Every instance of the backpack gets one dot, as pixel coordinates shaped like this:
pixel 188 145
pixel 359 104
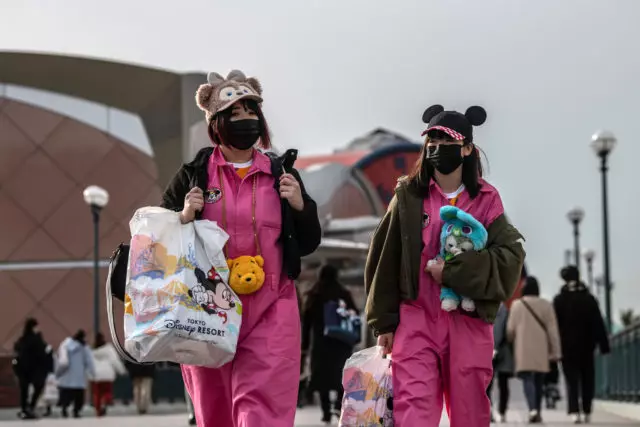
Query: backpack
pixel 340 323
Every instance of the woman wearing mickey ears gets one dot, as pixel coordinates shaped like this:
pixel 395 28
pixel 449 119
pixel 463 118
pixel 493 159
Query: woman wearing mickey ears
pixel 266 212
pixel 436 353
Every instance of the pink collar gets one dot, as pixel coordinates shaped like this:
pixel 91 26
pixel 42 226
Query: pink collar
pixel 260 160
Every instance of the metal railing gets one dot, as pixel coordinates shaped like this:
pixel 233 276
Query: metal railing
pixel 618 374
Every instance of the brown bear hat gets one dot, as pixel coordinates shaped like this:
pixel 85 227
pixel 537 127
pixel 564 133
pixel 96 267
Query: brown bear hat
pixel 219 93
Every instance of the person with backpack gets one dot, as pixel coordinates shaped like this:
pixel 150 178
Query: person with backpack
pixel 321 332
pixel 582 330
pixel 30 366
pixel 533 330
pixel 75 367
pixel 260 201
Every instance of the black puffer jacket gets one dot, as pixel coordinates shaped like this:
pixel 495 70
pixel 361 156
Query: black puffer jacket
pixel 301 232
pixel 580 322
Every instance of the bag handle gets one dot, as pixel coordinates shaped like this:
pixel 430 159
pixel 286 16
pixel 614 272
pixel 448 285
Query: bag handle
pixel 112 326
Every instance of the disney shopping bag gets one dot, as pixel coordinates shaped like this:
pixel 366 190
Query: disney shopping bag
pixel 368 390
pixel 178 305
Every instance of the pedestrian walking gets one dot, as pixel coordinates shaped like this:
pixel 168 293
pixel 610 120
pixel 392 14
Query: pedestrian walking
pixel 533 329
pixel 328 353
pixel 440 353
pixel 142 382
pixel 30 365
pixel 582 329
pixel 503 364
pixel 260 201
pixel 108 366
pixel 75 367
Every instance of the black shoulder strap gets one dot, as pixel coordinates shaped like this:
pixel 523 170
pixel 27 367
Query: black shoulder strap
pixel 535 316
pixel 115 259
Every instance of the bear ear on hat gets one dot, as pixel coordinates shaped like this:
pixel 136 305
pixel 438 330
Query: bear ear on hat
pixel 476 115
pixel 203 97
pixel 431 112
pixel 236 75
pixel 214 78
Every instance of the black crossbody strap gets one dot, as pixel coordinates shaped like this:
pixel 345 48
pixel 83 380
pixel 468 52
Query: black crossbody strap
pixel 535 316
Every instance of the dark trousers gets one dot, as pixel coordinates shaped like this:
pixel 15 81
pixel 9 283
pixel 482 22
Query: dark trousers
pixel 26 404
pixel 532 383
pixel 69 396
pixel 580 376
pixel 503 391
pixel 325 403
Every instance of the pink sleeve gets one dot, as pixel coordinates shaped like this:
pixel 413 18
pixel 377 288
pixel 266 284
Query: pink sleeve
pixel 494 210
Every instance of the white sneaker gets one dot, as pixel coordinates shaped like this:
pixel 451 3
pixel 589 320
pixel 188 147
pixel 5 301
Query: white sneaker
pixel 501 418
pixel 575 418
pixel 587 418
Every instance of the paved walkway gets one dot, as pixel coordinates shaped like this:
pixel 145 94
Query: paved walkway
pixel 171 416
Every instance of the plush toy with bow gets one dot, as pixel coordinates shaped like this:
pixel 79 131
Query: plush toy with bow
pixel 461 232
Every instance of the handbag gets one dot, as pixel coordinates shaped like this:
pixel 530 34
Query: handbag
pixel 341 324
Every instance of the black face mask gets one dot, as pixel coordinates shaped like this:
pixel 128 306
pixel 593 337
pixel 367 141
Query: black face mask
pixel 445 158
pixel 243 134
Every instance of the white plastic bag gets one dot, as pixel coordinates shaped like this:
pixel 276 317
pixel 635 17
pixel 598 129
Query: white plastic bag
pixel 178 306
pixel 368 390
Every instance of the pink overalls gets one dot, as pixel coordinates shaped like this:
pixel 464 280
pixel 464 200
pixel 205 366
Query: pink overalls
pixel 259 388
pixel 439 354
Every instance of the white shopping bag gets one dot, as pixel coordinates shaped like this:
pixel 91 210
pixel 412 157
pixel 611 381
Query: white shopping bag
pixel 178 306
pixel 368 390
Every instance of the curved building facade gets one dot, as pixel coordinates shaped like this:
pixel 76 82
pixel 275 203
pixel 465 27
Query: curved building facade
pixel 67 123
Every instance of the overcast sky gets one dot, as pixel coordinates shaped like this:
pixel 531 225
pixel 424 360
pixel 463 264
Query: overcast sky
pixel 548 72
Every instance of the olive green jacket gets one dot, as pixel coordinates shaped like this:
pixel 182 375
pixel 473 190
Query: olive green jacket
pixel 489 276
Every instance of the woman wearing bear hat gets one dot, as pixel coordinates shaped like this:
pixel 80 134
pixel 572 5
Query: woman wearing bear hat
pixel 266 212
pixel 436 353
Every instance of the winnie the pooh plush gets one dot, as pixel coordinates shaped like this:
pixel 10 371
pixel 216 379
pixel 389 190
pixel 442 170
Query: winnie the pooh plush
pixel 246 274
pixel 461 232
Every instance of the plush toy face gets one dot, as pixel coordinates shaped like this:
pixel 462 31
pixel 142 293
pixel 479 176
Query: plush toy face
pixel 461 232
pixel 246 274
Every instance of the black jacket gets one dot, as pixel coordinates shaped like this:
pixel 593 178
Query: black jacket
pixel 140 371
pixel 579 322
pixel 31 356
pixel 301 232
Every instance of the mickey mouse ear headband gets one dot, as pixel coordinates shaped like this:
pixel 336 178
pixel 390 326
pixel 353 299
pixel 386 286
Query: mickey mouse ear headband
pixel 457 125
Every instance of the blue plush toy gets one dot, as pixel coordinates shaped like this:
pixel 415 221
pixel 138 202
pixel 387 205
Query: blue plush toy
pixel 461 232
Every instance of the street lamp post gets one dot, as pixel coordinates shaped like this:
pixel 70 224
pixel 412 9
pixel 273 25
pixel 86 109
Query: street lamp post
pixel 567 257
pixel 97 198
pixel 576 215
pixel 603 143
pixel 589 256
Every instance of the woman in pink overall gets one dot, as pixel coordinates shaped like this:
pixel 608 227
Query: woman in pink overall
pixel 261 203
pixel 441 356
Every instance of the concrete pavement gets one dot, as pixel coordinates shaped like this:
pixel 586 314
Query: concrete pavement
pixel 174 416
